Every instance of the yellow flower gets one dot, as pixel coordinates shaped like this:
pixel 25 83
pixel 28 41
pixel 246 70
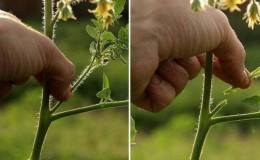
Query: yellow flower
pixel 104 10
pixel 252 14
pixel 108 21
pixel 103 7
pixel 232 5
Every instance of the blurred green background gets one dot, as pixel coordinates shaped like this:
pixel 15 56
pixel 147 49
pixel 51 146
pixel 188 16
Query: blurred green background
pixel 170 133
pixel 101 135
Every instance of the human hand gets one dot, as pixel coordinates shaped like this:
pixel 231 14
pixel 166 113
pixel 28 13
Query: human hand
pixel 25 52
pixel 167 40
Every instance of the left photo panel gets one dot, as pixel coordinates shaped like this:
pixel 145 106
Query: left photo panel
pixel 64 80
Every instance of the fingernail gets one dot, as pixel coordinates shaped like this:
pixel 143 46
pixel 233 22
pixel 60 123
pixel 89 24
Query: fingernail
pixel 155 80
pixel 167 65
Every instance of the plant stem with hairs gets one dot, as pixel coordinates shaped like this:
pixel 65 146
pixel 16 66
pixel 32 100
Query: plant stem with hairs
pixel 207 117
pixel 203 124
pixel 44 119
pixel 47 113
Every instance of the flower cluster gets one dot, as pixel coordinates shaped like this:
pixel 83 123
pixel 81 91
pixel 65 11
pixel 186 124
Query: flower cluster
pixel 65 10
pixel 252 15
pixel 232 5
pixel 105 11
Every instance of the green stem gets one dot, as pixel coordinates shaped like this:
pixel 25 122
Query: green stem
pixel 232 118
pixel 45 120
pixel 48 25
pixel 218 108
pixel 85 73
pixel 55 18
pixel 90 108
pixel 44 123
pixel 204 117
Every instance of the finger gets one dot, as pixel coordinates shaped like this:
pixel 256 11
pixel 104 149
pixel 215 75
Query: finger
pixel 5 89
pixel 60 77
pixel 20 81
pixel 60 72
pixel 217 36
pixel 217 69
pixel 191 65
pixel 159 94
pixel 143 66
pixel 231 57
pixel 174 74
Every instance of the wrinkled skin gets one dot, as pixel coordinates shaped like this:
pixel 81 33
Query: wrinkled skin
pixel 167 42
pixel 25 52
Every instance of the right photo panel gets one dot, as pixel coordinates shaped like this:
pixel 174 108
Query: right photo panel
pixel 194 79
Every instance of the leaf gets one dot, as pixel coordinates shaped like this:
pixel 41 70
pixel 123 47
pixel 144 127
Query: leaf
pixel 106 39
pixel 133 132
pixel 254 100
pixel 92 31
pixel 121 33
pixel 105 81
pixel 105 93
pixel 119 6
pixel 92 48
pixel 123 37
pixel 97 23
pixel 108 36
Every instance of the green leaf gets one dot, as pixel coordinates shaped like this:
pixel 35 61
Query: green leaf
pixel 123 37
pixel 92 31
pixel 119 6
pixel 105 81
pixel 108 36
pixel 127 29
pixel 105 93
pixel 92 48
pixel 255 100
pixel 97 23
pixel 133 132
pixel 121 33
